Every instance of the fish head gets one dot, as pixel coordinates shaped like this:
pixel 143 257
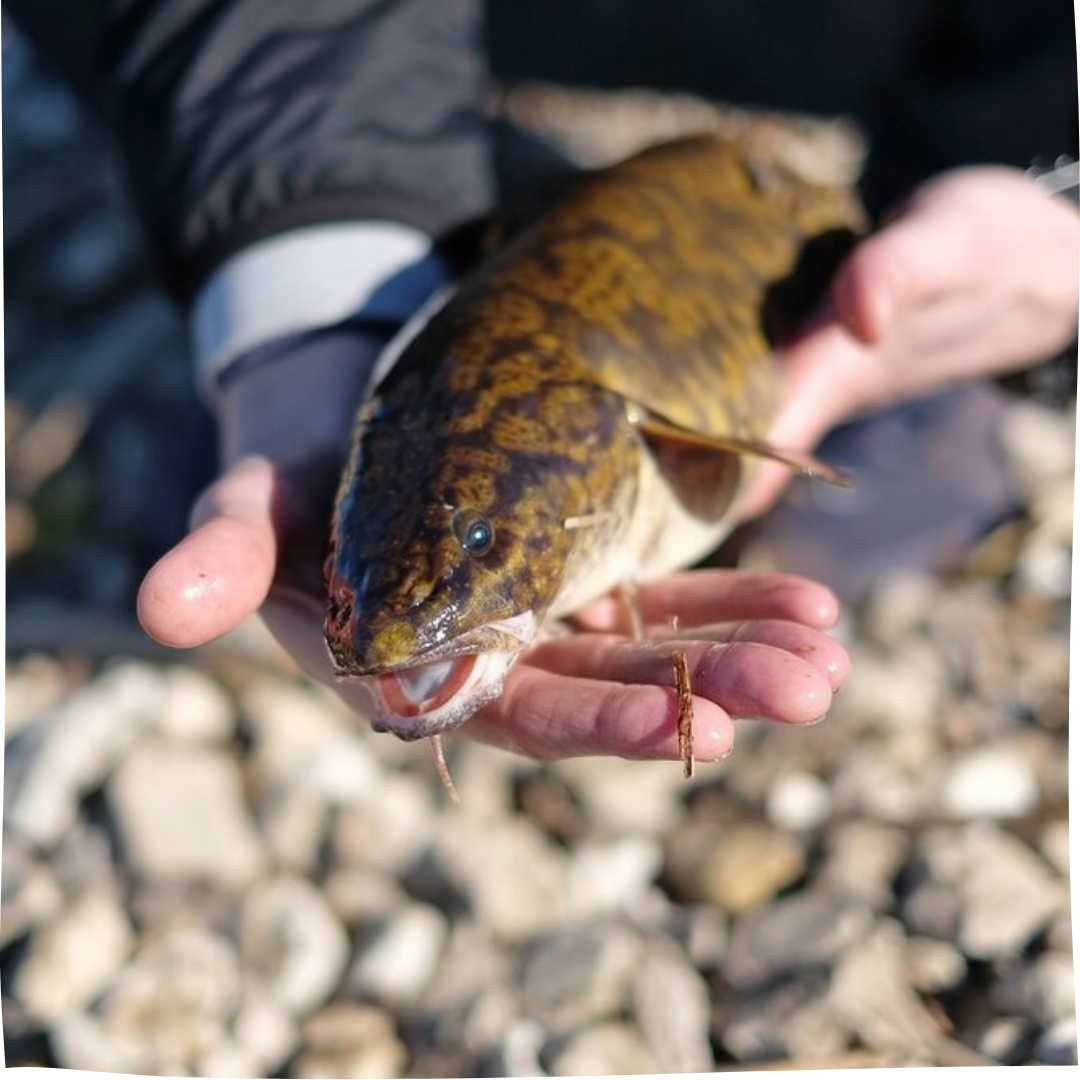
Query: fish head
pixel 448 548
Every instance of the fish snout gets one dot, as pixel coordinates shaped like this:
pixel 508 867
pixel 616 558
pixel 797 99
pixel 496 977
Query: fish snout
pixel 363 643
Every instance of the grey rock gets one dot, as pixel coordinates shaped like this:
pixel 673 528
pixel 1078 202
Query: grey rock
pixel 1007 894
pixel 397 958
pixel 577 975
pixel 798 801
pixel 517 1052
pixel 305 740
pixel 609 1049
pixel 74 958
pixel 791 1019
pixel 70 750
pixel 389 832
pixel 512 878
pixel 670 1003
pixel 933 909
pixel 806 930
pixel 293 824
pixel 995 781
pixel 181 814
pixel 613 876
pixel 292 942
pixel 1006 1039
pixel 194 707
pixel 643 800
pixel 1042 989
pixel 1057 1045
pixel 32 686
pixel 863 859
pixel 264 1032
pixel 1054 844
pixel 168 1010
pixel 349 1040
pixel 30 893
pixel 871 996
pixel 702 931
pixel 360 894
pixel 934 966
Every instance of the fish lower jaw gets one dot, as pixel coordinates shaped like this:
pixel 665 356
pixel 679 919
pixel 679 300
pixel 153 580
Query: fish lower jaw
pixel 430 698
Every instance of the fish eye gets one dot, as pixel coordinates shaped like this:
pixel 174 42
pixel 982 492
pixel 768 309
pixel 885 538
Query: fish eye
pixel 473 531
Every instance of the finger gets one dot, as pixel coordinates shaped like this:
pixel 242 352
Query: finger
pixel 698 597
pixel 745 678
pixel 824 653
pixel 925 253
pixel 550 717
pixel 221 571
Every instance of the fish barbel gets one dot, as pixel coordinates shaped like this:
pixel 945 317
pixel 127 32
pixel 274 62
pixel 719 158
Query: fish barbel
pixel 583 412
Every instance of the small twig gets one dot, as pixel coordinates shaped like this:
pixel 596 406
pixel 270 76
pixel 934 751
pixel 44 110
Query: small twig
pixel 686 712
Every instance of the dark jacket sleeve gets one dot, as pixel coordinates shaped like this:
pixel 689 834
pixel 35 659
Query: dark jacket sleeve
pixel 242 118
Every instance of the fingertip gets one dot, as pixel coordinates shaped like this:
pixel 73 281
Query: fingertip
pixel 207 584
pixel 864 293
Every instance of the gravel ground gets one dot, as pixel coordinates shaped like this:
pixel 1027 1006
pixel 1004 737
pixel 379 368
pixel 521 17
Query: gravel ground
pixel 209 870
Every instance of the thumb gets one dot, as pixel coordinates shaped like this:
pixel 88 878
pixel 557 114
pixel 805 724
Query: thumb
pixel 222 570
pixel 926 251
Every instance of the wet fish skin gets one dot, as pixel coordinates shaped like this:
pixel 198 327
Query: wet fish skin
pixel 547 390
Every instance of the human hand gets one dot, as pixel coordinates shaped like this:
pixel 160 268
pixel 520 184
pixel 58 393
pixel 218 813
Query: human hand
pixel 977 273
pixel 756 643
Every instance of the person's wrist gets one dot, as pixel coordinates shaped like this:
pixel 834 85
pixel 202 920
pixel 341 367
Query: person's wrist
pixel 298 396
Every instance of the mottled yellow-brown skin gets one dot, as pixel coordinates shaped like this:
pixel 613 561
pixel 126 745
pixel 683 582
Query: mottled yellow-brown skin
pixel 646 286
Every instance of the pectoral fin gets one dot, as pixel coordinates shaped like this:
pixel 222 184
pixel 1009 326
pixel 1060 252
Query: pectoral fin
pixel 663 433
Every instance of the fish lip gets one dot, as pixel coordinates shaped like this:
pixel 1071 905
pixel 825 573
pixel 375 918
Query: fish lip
pixel 505 635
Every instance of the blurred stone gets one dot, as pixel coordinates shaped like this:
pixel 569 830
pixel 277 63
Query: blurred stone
pixel 30 896
pixel 1040 444
pixel 292 942
pixel 194 707
pixel 991 781
pixel 1054 844
pixel 1007 894
pixel 71 750
pixel 933 909
pixel 395 961
pixel 1057 1045
pixel 32 685
pixel 293 825
pixel 1006 1039
pixel 670 1002
pixel 1042 989
pixel 517 1052
pixel 388 832
pixel 503 870
pixel 70 961
pixel 169 1009
pixel 305 740
pixel 898 606
pixel 574 976
pixel 349 1040
pixel 863 859
pixel 870 784
pixel 644 799
pixel 263 1031
pixel 789 1019
pixel 805 930
pixel 611 877
pixel 735 867
pixel 798 801
pixel 702 931
pixel 610 1049
pixel 180 812
pixel 360 894
pixel 870 994
pixel 934 966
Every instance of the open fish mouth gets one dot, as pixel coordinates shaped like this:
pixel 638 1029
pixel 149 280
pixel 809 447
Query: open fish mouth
pixel 433 695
